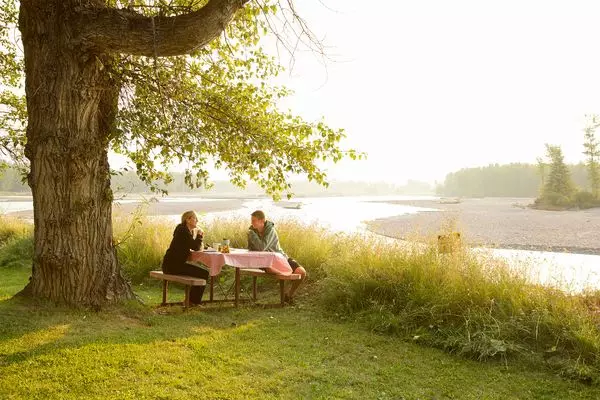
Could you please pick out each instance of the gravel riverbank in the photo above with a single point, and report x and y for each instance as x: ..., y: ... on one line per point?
x: 500, y: 223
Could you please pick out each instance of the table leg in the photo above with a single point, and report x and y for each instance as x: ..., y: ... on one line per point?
x: 254, y: 288
x: 186, y: 301
x: 282, y: 291
x: 165, y: 289
x: 237, y: 286
x: 212, y: 283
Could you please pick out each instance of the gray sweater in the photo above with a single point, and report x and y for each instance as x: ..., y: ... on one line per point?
x: 269, y: 241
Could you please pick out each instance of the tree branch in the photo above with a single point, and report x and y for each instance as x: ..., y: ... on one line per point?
x: 128, y: 32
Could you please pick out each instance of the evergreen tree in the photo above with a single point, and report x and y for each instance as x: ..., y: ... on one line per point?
x: 592, y: 152
x: 542, y: 167
x: 558, y: 188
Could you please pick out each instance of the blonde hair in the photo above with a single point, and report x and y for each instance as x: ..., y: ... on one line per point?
x: 186, y: 215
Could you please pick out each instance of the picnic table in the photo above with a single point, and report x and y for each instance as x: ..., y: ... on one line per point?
x: 273, y: 263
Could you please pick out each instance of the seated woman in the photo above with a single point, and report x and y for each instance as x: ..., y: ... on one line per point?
x: 262, y: 236
x: 187, y: 236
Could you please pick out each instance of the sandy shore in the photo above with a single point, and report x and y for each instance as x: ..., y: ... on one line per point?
x: 500, y: 223
x: 165, y: 208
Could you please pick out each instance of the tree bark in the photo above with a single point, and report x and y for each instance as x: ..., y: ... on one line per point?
x: 71, y: 105
x: 125, y: 31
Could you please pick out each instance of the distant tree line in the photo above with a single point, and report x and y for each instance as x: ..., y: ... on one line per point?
x: 127, y: 182
x: 553, y: 183
x: 502, y: 180
x: 12, y: 180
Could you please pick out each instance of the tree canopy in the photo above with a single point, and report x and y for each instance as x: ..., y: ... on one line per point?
x: 213, y: 107
x: 160, y: 82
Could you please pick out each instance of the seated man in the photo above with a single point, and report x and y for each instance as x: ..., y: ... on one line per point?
x: 262, y: 236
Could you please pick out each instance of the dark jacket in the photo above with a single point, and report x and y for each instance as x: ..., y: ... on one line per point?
x: 179, y: 250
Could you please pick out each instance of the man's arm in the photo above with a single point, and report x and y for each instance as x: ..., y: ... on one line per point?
x: 272, y: 242
x: 254, y: 242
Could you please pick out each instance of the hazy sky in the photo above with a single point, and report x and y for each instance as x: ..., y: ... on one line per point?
x: 426, y: 87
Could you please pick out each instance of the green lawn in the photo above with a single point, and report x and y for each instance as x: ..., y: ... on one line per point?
x: 146, y: 352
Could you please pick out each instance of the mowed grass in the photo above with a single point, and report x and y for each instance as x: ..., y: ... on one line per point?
x: 139, y: 351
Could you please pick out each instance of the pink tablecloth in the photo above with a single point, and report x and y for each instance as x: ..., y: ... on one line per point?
x: 239, y: 258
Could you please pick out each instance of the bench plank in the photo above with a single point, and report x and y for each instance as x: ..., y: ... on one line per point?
x: 281, y: 278
x: 253, y: 272
x: 186, y: 280
x: 292, y: 277
x: 260, y: 272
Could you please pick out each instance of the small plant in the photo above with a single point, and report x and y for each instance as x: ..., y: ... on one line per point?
x: 11, y: 228
x: 141, y: 244
x: 16, y: 241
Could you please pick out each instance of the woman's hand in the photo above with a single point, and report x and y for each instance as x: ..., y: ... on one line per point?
x: 197, y: 231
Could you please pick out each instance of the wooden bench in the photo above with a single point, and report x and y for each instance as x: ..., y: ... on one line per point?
x: 254, y: 273
x: 188, y: 281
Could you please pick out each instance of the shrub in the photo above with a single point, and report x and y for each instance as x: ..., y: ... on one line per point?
x: 141, y: 244
x: 16, y: 241
x: 11, y: 228
x: 17, y: 252
x: 584, y: 199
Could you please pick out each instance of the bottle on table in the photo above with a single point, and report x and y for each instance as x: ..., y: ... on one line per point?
x: 225, y: 246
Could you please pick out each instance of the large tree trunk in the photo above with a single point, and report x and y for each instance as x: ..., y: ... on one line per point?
x: 72, y: 102
x: 71, y: 105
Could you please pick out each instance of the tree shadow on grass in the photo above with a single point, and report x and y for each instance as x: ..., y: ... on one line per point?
x: 30, y: 328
